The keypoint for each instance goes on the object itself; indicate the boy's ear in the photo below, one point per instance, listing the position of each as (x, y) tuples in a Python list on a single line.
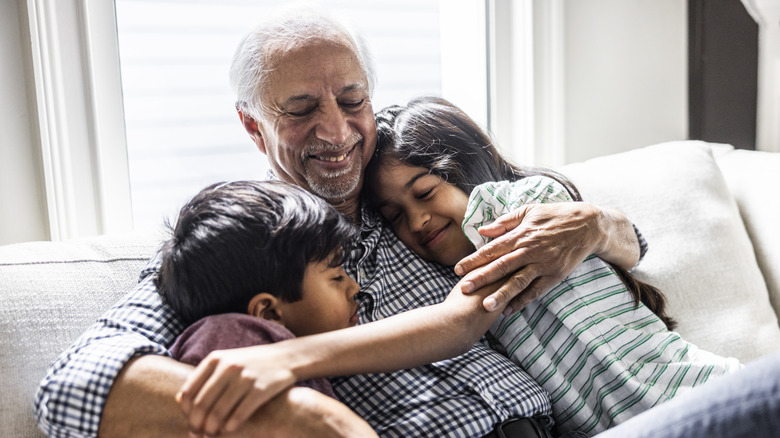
[(252, 128), (266, 306)]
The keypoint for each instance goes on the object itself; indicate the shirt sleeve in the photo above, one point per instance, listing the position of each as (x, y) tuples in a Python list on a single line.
[(70, 399), (490, 200), (643, 246)]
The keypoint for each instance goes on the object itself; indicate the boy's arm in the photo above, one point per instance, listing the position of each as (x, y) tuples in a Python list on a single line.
[(229, 385)]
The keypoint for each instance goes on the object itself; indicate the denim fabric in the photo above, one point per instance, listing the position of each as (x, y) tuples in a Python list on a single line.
[(744, 404)]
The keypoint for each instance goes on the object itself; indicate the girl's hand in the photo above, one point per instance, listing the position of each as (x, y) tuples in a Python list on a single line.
[(540, 243), (229, 385)]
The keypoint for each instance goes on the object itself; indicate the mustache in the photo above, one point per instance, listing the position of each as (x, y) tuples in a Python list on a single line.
[(319, 147)]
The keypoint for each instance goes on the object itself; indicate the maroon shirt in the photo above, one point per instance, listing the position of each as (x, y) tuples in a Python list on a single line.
[(234, 330)]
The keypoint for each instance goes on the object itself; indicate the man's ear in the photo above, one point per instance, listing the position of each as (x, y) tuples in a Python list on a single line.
[(252, 129), (266, 306)]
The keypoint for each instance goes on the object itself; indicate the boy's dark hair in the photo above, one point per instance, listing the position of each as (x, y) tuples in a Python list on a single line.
[(434, 134), (235, 240)]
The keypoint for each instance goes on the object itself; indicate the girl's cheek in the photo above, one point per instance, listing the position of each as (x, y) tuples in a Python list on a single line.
[(405, 236)]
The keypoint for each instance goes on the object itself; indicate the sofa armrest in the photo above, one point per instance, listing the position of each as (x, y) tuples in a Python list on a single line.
[(52, 292), (754, 180)]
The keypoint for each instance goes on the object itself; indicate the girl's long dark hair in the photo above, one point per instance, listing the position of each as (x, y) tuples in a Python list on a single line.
[(434, 134)]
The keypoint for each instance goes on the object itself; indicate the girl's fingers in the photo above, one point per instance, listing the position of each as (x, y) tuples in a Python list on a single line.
[(513, 294), (249, 404), (208, 395), (506, 264), (193, 384), (223, 407)]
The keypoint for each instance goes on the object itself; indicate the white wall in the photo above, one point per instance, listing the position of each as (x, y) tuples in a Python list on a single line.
[(22, 199), (626, 77)]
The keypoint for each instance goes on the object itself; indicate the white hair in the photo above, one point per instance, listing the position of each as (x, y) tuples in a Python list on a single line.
[(288, 29)]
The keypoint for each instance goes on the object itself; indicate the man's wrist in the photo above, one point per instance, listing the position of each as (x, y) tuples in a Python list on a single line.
[(604, 225), (617, 239)]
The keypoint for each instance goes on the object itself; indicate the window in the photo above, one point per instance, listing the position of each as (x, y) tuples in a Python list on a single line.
[(181, 126)]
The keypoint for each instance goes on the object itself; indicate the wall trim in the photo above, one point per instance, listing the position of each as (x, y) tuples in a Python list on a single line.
[(526, 60), (75, 65), (52, 128)]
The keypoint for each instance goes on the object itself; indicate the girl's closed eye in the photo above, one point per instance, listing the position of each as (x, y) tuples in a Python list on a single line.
[(425, 194)]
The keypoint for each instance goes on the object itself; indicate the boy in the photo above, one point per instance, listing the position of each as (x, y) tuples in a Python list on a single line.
[(256, 262)]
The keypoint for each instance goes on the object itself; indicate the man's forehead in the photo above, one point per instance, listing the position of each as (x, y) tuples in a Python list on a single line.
[(302, 69), (350, 89)]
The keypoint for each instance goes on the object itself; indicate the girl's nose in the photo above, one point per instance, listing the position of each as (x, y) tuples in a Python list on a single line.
[(418, 220)]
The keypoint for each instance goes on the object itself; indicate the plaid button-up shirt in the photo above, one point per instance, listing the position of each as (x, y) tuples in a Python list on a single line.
[(464, 396)]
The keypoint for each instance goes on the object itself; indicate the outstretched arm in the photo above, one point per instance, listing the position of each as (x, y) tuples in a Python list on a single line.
[(115, 381), (142, 403), (541, 244), (229, 385)]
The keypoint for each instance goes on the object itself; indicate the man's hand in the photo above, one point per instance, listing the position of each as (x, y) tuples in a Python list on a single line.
[(142, 404), (542, 244), (308, 413)]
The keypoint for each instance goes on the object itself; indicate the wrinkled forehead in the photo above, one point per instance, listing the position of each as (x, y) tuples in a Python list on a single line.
[(277, 49), (314, 69)]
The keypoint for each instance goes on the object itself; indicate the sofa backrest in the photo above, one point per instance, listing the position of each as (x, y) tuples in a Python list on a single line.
[(700, 255), (52, 292)]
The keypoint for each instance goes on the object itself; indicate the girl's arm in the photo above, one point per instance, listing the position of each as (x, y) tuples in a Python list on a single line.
[(229, 385)]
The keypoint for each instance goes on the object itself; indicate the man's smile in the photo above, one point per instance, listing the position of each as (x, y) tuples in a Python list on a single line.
[(334, 158)]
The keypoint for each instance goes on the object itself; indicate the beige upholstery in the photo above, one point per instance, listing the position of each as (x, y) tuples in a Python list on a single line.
[(700, 254), (51, 293)]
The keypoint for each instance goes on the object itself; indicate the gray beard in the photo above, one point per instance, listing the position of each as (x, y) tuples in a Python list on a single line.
[(336, 186)]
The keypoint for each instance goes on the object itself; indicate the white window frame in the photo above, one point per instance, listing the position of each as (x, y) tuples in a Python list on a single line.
[(80, 129), (526, 67)]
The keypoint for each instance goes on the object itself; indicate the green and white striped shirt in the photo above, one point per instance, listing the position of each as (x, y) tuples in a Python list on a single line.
[(601, 358)]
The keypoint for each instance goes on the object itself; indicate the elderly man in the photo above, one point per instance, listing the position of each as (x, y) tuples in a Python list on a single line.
[(303, 88)]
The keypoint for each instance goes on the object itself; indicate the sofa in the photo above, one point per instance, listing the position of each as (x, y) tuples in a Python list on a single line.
[(708, 211)]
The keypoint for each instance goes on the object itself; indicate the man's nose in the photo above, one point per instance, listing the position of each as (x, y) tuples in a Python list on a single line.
[(332, 126)]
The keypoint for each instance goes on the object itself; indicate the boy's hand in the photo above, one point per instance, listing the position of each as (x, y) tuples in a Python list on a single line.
[(228, 386), (540, 243)]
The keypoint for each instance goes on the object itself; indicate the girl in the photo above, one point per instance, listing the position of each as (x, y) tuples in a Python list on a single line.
[(598, 342)]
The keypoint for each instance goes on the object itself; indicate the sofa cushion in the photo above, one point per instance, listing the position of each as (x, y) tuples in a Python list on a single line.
[(700, 254), (53, 291), (754, 180)]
